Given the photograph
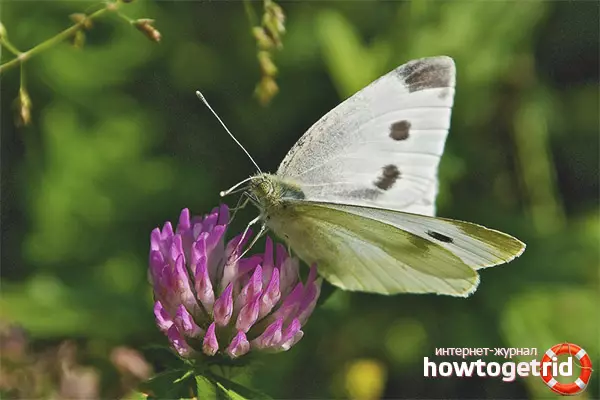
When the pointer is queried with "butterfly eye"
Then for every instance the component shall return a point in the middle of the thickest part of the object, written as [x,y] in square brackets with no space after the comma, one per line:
[264,186]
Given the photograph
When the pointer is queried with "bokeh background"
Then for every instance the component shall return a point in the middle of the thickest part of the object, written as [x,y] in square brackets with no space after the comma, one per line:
[119,144]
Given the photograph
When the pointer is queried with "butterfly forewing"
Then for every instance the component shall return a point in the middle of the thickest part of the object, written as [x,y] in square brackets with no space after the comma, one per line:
[476,245]
[382,146]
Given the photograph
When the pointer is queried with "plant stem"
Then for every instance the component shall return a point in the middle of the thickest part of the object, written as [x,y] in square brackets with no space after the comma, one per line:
[24,56]
[22,78]
[125,17]
[9,46]
[250,14]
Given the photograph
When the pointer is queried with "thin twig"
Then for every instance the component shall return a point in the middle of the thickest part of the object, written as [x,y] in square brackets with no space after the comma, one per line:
[23,56]
[252,19]
[9,46]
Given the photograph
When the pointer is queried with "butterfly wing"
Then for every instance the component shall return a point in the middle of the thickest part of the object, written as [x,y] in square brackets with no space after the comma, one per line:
[359,253]
[382,146]
[387,252]
[359,167]
[477,246]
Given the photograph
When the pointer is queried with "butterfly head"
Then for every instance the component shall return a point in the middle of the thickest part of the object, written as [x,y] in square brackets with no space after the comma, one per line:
[265,192]
[261,186]
[269,192]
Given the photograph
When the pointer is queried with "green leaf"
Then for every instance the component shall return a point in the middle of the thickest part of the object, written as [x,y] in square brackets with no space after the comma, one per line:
[235,391]
[231,395]
[184,377]
[206,388]
[173,384]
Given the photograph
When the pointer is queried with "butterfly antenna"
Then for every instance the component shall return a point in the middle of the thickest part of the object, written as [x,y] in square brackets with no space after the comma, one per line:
[201,97]
[234,187]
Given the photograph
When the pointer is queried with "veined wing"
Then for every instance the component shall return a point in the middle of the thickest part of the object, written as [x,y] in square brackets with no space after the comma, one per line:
[363,254]
[476,245]
[382,146]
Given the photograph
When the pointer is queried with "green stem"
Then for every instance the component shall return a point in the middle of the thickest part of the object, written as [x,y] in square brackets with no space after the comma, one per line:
[9,46]
[22,57]
[125,17]
[22,77]
[250,13]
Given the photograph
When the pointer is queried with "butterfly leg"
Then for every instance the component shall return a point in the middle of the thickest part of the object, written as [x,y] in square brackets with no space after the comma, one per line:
[243,237]
[242,202]
[261,233]
[254,221]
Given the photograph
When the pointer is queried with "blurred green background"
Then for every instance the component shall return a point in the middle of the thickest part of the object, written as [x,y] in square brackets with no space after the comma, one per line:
[119,144]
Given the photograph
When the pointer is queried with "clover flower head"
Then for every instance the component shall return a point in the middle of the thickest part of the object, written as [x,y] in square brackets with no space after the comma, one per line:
[208,300]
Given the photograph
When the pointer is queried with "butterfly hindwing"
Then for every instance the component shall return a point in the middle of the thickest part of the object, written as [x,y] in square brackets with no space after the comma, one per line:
[362,254]
[381,146]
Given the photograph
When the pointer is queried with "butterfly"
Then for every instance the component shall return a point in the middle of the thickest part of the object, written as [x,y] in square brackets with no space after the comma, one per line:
[356,193]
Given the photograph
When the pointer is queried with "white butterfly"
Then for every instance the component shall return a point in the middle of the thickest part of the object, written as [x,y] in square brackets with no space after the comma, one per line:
[356,193]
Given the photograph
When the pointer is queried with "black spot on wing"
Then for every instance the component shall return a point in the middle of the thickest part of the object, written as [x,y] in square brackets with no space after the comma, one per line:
[428,73]
[400,130]
[440,237]
[388,177]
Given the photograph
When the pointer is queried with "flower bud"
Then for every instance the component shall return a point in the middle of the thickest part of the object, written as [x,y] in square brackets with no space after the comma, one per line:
[163,320]
[248,315]
[186,324]
[210,345]
[270,337]
[274,21]
[239,345]
[145,26]
[224,307]
[81,19]
[179,343]
[203,285]
[266,90]
[291,335]
[267,66]
[263,40]
[23,108]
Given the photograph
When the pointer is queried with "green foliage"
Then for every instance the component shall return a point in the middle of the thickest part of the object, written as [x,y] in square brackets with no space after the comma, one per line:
[186,384]
[173,384]
[231,390]
[118,144]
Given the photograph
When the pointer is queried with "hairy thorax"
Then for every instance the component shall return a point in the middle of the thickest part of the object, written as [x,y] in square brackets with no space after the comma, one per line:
[273,195]
[278,202]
